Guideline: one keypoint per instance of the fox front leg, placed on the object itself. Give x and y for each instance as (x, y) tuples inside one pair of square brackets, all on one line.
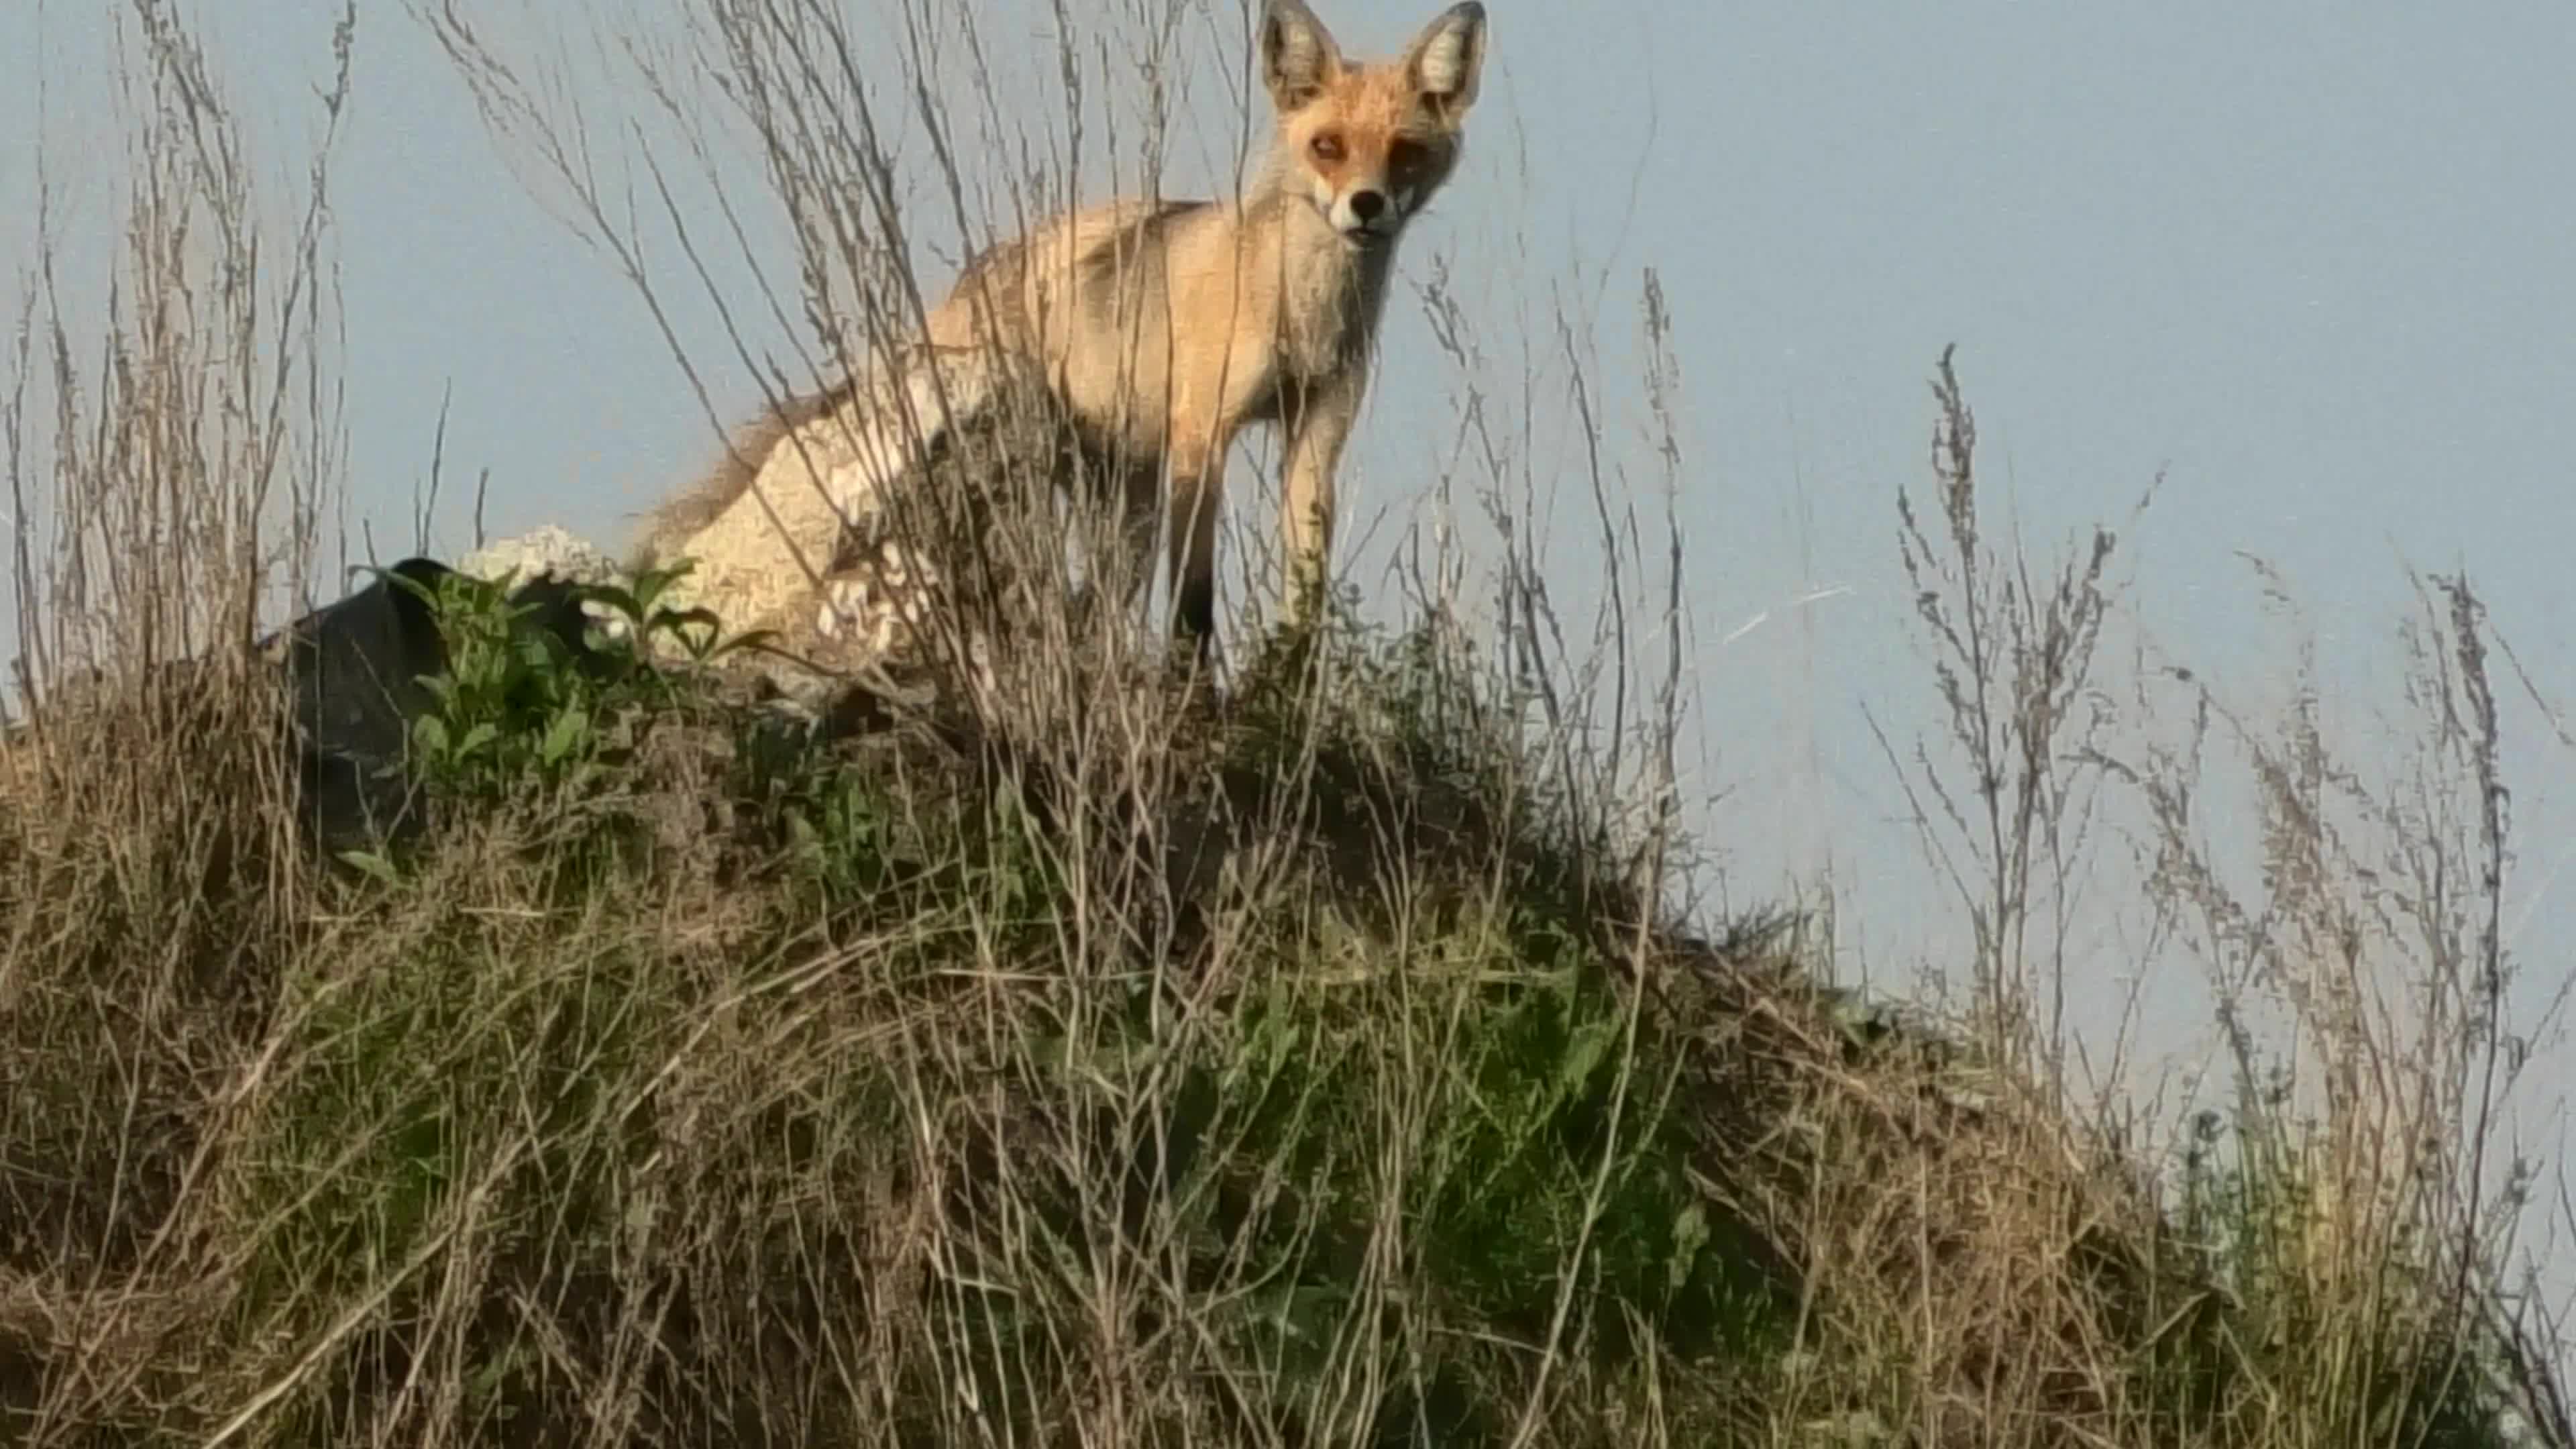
[(1197, 465), (1317, 419)]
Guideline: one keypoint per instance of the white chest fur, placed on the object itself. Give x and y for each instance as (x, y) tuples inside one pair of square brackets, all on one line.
[(1331, 294)]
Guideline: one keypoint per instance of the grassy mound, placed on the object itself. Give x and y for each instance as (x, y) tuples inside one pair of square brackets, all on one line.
[(1304, 1068)]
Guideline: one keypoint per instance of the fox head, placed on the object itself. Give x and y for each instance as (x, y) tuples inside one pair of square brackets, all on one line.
[(1368, 144)]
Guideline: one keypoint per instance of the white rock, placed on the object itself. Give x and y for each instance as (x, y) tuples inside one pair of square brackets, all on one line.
[(544, 550), (550, 549)]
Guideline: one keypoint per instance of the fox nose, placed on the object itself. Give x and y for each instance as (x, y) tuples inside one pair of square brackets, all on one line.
[(1368, 205)]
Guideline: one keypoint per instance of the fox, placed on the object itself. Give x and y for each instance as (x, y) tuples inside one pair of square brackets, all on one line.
[(1161, 328)]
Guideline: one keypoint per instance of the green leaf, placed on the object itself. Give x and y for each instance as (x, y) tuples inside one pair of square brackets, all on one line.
[(622, 600), (1583, 1054), (570, 728), (1690, 1235), (430, 733), (373, 864)]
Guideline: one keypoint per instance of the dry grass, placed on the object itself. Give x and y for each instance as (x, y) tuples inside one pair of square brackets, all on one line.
[(1098, 1061)]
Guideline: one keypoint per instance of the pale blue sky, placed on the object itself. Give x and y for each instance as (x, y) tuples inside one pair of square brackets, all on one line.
[(2311, 261)]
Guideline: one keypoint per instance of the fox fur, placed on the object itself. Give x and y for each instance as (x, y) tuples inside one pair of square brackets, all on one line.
[(1161, 328)]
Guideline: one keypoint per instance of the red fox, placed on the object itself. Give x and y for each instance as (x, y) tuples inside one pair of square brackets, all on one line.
[(1162, 328)]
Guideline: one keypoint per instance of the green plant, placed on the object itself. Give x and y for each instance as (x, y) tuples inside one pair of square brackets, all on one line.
[(697, 631)]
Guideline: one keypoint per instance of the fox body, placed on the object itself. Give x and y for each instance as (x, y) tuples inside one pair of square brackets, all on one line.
[(1161, 328)]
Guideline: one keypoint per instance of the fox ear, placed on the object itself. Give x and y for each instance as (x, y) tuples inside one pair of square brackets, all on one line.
[(1445, 59), (1298, 57)]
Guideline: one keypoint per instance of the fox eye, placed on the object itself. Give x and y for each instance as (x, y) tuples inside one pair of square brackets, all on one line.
[(1327, 146)]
